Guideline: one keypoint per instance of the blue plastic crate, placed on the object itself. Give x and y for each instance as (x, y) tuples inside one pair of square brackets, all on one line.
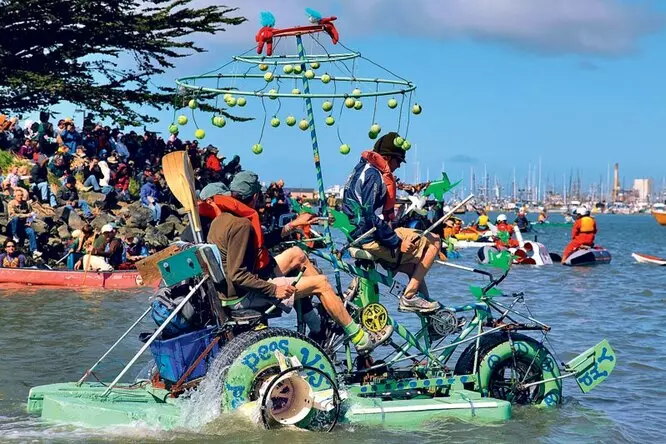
[(174, 356)]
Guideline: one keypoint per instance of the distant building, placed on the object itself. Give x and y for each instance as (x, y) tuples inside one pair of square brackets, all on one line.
[(643, 189), (305, 193)]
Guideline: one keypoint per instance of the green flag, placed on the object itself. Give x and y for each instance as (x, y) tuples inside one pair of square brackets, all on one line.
[(440, 187)]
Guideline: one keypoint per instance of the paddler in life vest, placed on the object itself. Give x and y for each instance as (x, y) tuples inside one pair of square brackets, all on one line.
[(10, 258), (582, 233), (252, 282), (504, 233), (543, 216), (481, 223), (372, 186)]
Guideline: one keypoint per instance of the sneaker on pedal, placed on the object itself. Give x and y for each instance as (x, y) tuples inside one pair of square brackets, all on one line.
[(373, 340), (417, 304)]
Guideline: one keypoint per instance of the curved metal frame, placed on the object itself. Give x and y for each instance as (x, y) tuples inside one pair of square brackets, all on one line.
[(182, 82), (292, 59)]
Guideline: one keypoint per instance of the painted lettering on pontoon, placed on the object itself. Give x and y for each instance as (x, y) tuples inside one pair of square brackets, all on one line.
[(237, 395), (264, 353), (593, 374)]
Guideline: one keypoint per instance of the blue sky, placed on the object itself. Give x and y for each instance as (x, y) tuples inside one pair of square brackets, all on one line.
[(575, 83)]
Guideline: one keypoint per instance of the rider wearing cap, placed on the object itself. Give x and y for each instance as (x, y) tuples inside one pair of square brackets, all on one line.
[(503, 226), (373, 186), (583, 232), (237, 233)]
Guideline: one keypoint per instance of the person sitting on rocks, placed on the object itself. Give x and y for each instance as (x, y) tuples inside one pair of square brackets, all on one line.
[(92, 175), (150, 196), (10, 258), (21, 214), (69, 198), (135, 248), (40, 180)]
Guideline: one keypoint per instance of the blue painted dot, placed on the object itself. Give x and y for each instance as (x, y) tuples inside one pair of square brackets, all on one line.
[(426, 383), (412, 384), (439, 381), (400, 385), (322, 366), (452, 380), (463, 379), (364, 389)]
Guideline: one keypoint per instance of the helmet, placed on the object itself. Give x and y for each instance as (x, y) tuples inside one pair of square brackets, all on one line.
[(501, 218), (582, 211)]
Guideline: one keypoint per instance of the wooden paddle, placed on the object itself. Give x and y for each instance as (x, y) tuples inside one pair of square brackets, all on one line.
[(180, 179), (86, 266)]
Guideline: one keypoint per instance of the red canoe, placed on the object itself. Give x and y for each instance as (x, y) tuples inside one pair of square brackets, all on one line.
[(113, 280)]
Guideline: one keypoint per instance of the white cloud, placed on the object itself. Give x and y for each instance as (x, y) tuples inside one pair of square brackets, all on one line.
[(592, 27)]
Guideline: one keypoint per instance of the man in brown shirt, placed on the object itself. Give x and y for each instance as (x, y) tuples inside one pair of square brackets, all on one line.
[(237, 233)]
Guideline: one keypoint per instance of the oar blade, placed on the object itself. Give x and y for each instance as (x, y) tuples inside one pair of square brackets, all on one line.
[(179, 176)]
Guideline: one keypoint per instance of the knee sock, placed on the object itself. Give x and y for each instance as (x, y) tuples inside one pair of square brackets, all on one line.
[(355, 333)]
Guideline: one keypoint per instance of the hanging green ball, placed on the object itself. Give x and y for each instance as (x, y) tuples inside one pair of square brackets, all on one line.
[(298, 69), (349, 102), (288, 69), (200, 134), (182, 120), (173, 128), (325, 78), (219, 121), (227, 96), (375, 128), (295, 91), (314, 65), (303, 124), (272, 94), (356, 92), (392, 103), (398, 141), (263, 67), (406, 145), (358, 105), (416, 109), (192, 104), (268, 76), (291, 120), (372, 135), (275, 122), (257, 148), (345, 149), (232, 102), (309, 74), (242, 101), (327, 106), (330, 121)]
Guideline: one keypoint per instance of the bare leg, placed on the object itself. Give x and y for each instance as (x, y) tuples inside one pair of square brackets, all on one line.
[(319, 286), (292, 259)]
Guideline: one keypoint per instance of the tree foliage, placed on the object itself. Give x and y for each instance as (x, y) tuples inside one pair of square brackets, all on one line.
[(102, 55)]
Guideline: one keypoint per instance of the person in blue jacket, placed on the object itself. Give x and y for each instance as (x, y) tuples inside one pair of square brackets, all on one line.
[(372, 188), (150, 196)]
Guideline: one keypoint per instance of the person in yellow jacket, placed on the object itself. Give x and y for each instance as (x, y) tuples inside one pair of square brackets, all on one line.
[(481, 222)]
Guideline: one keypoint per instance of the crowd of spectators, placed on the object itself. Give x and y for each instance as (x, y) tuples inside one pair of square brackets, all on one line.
[(56, 165)]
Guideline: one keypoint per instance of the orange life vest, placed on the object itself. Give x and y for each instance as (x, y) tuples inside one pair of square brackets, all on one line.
[(587, 225), (376, 160), (8, 262), (226, 204)]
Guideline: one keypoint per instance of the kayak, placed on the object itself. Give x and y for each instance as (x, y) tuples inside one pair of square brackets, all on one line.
[(115, 280), (647, 259), (588, 256)]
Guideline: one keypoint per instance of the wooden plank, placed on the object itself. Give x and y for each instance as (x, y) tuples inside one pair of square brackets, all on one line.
[(148, 268)]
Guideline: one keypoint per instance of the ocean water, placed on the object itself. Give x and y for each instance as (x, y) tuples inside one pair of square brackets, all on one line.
[(49, 335)]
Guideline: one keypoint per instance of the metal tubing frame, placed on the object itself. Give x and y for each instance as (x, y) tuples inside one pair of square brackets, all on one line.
[(155, 335), (408, 86), (89, 371)]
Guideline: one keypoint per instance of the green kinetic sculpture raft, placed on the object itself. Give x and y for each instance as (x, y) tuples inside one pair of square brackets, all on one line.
[(280, 377)]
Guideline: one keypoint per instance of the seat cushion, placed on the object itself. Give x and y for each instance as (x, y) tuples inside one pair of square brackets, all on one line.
[(359, 253)]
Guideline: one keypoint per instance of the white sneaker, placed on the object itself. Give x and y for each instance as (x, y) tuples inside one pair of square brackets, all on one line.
[(36, 254)]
